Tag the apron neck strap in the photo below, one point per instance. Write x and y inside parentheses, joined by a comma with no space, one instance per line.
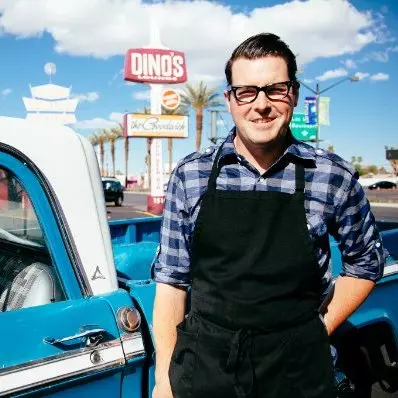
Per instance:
(214,171)
(300,178)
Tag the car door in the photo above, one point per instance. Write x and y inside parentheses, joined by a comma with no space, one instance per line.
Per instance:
(56,339)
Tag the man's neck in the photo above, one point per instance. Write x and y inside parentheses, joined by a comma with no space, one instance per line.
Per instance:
(262,157)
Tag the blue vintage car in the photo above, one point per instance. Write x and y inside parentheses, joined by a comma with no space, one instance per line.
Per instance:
(76,294)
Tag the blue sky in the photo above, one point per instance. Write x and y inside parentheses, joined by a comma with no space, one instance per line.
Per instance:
(87,41)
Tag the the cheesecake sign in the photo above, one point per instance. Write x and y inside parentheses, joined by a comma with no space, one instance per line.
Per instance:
(150,65)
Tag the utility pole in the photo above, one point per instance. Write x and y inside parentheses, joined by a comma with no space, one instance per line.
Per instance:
(213,126)
(317,92)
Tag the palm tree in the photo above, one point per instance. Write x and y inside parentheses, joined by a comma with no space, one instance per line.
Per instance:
(200,98)
(114,134)
(100,138)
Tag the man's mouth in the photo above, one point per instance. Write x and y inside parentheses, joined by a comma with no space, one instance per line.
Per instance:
(263,120)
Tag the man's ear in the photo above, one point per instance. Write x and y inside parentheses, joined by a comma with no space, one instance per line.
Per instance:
(296,97)
(227,98)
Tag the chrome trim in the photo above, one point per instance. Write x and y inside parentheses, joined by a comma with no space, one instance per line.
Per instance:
(58,357)
(53,360)
(137,341)
(390,269)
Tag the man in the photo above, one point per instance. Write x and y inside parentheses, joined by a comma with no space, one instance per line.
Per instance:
(246,225)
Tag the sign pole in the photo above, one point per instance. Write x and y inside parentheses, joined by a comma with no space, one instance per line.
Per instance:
(318,124)
(156,65)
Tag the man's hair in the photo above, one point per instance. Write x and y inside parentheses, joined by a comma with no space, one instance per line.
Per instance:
(259,46)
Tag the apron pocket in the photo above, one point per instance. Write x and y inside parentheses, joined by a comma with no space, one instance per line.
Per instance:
(182,362)
(310,365)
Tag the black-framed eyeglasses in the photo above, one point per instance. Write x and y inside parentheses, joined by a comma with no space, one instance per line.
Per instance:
(274,92)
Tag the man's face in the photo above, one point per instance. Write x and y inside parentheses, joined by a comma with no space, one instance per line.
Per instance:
(262,122)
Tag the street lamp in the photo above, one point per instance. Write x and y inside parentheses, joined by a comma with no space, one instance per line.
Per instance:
(318,93)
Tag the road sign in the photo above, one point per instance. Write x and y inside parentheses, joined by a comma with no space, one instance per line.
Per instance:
(170,99)
(301,130)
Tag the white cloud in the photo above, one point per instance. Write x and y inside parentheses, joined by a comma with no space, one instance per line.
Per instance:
(308,81)
(378,77)
(331,74)
(205,30)
(362,75)
(379,56)
(349,64)
(5,92)
(91,96)
(96,123)
(117,117)
(142,95)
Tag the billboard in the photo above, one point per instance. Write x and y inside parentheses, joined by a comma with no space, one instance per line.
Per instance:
(153,65)
(392,154)
(155,126)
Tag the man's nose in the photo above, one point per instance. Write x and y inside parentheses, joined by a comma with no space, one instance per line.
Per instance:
(262,102)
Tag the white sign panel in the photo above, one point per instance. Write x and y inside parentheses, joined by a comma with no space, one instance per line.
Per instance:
(50,91)
(157,126)
(38,105)
(58,118)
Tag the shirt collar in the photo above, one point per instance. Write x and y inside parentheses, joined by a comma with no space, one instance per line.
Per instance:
(296,149)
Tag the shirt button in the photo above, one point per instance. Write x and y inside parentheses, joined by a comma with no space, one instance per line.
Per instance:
(378,244)
(319,151)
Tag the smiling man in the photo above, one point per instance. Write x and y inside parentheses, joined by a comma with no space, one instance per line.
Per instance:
(246,225)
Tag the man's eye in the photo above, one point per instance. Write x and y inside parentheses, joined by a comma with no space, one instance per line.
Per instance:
(246,92)
(277,89)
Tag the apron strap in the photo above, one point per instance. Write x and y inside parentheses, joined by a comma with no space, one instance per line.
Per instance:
(300,178)
(212,184)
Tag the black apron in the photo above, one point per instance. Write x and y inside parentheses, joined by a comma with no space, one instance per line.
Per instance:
(253,329)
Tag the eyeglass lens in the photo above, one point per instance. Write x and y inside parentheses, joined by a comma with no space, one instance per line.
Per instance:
(274,92)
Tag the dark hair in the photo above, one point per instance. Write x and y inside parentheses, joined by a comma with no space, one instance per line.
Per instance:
(262,45)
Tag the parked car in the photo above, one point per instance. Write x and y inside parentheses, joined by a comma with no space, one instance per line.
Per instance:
(76,293)
(383,185)
(113,190)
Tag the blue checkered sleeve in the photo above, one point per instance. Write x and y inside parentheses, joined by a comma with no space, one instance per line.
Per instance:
(172,259)
(358,236)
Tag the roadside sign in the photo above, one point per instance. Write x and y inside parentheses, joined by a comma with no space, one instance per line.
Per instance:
(301,130)
(324,111)
(310,110)
(170,99)
(155,126)
(154,65)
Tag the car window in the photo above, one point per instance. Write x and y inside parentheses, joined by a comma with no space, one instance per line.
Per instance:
(27,275)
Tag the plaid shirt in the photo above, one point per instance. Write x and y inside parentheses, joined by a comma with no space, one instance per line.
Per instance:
(335,204)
